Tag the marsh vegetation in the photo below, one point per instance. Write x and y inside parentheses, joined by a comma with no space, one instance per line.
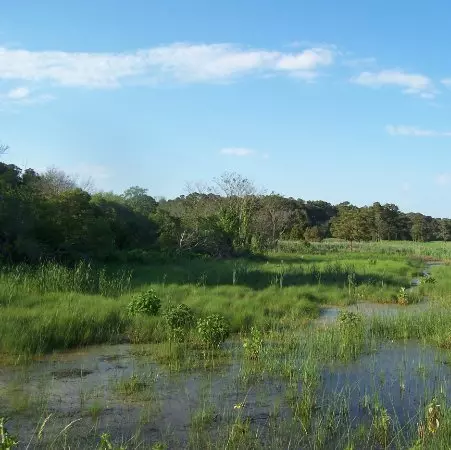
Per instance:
(324,348)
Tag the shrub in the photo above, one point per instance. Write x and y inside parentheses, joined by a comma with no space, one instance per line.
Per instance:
(348,319)
(145,303)
(179,319)
(213,330)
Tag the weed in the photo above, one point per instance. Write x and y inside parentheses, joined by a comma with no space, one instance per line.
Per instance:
(253,345)
(213,330)
(106,444)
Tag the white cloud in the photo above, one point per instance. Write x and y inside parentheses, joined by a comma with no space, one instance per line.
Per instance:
(410,83)
(447,82)
(237,151)
(18,93)
(443,179)
(176,62)
(305,61)
(403,130)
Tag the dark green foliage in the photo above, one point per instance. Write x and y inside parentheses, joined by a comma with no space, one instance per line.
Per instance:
(145,303)
(49,216)
(180,319)
(213,330)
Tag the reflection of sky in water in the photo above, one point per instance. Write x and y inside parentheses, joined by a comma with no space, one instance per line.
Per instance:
(402,377)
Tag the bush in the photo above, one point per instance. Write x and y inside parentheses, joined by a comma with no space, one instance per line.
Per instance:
(213,330)
(145,303)
(349,319)
(179,319)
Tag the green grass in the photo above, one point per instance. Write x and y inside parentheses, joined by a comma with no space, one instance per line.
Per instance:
(50,307)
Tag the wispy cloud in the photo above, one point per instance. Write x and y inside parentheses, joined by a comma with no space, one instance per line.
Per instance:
(410,83)
(179,62)
(403,130)
(22,96)
(447,82)
(443,179)
(18,93)
(237,151)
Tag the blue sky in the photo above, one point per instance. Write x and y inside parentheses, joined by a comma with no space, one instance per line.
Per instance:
(319,99)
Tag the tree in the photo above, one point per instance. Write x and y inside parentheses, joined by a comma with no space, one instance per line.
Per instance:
(352,224)
(444,229)
(139,200)
(313,234)
(3,149)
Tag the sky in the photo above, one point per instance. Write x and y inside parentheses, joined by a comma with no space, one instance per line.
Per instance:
(338,101)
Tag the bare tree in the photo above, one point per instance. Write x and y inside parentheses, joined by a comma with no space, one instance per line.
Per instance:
(3,148)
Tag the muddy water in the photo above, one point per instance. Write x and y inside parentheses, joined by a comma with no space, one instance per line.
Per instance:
(68,386)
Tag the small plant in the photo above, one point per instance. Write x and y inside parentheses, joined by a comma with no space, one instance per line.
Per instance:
(433,415)
(253,345)
(7,441)
(381,424)
(179,318)
(133,385)
(427,280)
(403,296)
(145,303)
(348,319)
(159,446)
(213,330)
(106,444)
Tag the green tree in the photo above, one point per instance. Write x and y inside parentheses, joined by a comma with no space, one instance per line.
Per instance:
(352,224)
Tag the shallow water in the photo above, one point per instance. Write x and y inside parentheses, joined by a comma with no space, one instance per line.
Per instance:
(330,314)
(402,377)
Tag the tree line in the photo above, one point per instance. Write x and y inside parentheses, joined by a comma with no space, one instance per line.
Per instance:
(51,216)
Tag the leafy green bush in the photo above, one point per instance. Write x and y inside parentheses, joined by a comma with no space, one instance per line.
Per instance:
(179,318)
(213,329)
(145,303)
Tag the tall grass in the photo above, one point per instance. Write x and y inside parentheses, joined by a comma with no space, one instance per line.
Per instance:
(49,277)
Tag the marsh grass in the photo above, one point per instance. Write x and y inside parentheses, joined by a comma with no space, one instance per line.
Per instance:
(270,306)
